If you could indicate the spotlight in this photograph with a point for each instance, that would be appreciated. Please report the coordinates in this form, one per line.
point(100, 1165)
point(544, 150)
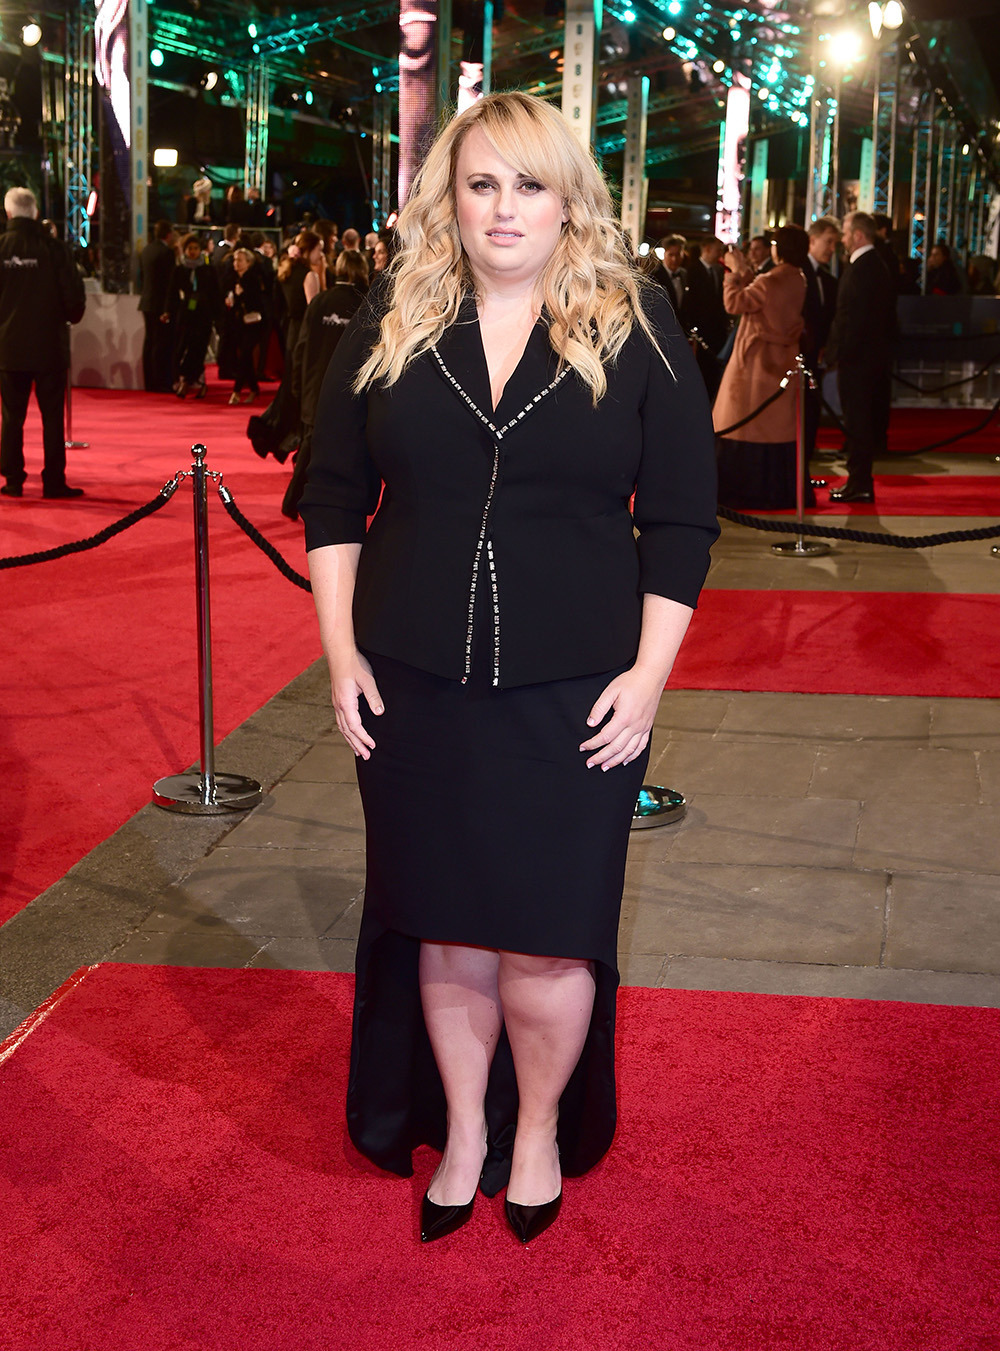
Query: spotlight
point(845, 47)
point(669, 34)
point(718, 67)
point(309, 96)
point(156, 57)
point(31, 34)
point(209, 80)
point(164, 158)
point(875, 17)
point(892, 15)
point(251, 30)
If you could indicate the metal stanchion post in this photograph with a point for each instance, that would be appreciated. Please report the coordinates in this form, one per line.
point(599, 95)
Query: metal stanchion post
point(207, 793)
point(798, 548)
point(70, 443)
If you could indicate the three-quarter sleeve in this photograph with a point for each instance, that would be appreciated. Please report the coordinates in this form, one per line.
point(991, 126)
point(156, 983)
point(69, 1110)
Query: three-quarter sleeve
point(343, 485)
point(675, 495)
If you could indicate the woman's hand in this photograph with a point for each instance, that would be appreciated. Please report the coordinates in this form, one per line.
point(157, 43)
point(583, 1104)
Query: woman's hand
point(349, 679)
point(635, 697)
point(735, 260)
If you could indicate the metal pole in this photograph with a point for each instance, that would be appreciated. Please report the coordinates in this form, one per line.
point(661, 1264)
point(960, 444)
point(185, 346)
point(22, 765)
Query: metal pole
point(207, 793)
point(798, 547)
point(70, 443)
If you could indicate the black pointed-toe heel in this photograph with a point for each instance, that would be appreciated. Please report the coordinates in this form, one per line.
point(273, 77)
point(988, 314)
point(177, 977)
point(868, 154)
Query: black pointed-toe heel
point(439, 1221)
point(527, 1222)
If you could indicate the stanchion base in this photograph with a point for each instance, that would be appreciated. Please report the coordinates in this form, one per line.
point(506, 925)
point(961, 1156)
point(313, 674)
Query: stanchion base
point(77, 445)
point(658, 807)
point(186, 793)
point(798, 548)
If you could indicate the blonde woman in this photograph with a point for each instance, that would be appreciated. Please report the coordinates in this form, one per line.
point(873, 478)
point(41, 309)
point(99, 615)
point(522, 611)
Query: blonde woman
point(498, 643)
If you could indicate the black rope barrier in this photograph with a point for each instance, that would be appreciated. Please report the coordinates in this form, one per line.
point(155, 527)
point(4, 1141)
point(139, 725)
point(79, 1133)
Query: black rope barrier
point(952, 384)
point(756, 413)
point(784, 526)
point(253, 534)
point(79, 546)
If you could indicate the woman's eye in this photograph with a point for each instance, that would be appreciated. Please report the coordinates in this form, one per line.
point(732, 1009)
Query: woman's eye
point(480, 184)
point(531, 186)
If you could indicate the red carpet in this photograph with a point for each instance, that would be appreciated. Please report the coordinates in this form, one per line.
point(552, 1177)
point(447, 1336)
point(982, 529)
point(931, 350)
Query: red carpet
point(99, 680)
point(790, 1174)
point(835, 642)
point(916, 495)
point(913, 428)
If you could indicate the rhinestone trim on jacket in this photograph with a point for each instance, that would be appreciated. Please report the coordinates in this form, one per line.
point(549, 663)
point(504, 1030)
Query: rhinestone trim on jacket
point(498, 435)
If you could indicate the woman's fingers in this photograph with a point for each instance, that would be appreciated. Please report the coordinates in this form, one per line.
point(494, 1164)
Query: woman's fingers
point(352, 729)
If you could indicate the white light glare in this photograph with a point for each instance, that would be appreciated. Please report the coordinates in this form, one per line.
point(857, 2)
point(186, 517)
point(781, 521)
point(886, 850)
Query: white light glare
point(845, 47)
point(669, 34)
point(875, 17)
point(31, 34)
point(718, 67)
point(211, 80)
point(892, 15)
point(165, 159)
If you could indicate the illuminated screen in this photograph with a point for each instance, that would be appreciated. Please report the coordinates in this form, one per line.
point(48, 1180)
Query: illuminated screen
point(417, 74)
point(111, 68)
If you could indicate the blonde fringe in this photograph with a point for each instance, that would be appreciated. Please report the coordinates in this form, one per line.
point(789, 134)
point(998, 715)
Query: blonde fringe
point(590, 287)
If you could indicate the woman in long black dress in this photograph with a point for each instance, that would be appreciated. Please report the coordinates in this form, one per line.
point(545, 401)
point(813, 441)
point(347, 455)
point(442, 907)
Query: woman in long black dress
point(498, 643)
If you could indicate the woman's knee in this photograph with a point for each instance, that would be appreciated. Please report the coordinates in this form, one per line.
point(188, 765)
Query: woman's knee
point(520, 964)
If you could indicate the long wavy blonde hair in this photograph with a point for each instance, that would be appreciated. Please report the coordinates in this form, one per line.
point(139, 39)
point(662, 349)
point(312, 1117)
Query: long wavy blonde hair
point(590, 287)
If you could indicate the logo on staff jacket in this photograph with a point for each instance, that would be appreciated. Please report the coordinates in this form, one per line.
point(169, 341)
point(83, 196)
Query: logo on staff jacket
point(15, 261)
point(337, 319)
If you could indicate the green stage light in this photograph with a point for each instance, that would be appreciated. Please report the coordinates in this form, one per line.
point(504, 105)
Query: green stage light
point(628, 16)
point(674, 7)
point(156, 57)
point(309, 96)
point(251, 30)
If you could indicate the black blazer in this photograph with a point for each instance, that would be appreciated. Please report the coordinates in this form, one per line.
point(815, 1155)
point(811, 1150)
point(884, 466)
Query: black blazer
point(818, 309)
point(40, 292)
point(865, 322)
point(529, 503)
point(705, 310)
point(156, 267)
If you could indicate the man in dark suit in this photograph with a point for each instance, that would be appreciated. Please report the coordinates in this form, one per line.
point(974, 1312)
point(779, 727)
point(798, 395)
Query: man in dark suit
point(41, 292)
point(818, 310)
point(156, 269)
point(672, 275)
point(705, 309)
point(860, 346)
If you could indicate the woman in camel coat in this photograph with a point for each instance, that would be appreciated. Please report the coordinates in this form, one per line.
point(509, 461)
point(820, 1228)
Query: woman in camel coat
point(757, 460)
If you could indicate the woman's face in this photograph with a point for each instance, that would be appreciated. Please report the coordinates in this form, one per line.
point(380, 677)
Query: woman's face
point(380, 255)
point(193, 249)
point(240, 264)
point(317, 256)
point(509, 223)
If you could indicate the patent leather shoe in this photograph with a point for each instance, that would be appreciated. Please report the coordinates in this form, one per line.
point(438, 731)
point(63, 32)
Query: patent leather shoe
point(439, 1221)
point(527, 1222)
point(851, 495)
point(63, 490)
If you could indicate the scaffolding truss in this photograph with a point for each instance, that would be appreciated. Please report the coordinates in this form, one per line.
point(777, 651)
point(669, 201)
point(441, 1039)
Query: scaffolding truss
point(79, 121)
point(944, 201)
point(921, 197)
point(381, 159)
point(884, 121)
point(258, 96)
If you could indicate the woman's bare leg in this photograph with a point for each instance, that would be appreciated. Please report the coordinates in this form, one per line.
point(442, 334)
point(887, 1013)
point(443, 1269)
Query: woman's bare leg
point(547, 1004)
point(458, 989)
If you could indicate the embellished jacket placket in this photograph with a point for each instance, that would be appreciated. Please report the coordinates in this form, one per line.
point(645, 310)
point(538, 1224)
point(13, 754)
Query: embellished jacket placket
point(484, 542)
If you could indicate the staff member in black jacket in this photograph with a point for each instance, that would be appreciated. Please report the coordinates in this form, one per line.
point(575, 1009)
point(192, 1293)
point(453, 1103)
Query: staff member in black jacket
point(510, 384)
point(156, 268)
point(860, 346)
point(40, 292)
point(322, 327)
point(195, 305)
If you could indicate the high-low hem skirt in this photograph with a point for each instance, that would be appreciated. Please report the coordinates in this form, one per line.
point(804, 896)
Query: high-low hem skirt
point(484, 828)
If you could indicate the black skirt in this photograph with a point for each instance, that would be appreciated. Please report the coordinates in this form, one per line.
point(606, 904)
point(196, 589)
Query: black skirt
point(759, 475)
point(485, 828)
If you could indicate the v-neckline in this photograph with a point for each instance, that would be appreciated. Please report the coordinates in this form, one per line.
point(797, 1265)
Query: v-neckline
point(494, 407)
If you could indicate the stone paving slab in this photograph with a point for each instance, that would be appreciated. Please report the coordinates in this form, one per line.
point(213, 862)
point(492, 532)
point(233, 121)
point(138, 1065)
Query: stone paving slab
point(903, 774)
point(938, 837)
point(783, 914)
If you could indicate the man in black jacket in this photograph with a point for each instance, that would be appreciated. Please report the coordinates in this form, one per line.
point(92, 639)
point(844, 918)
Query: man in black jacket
point(40, 292)
point(156, 268)
point(860, 346)
point(818, 310)
point(705, 309)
